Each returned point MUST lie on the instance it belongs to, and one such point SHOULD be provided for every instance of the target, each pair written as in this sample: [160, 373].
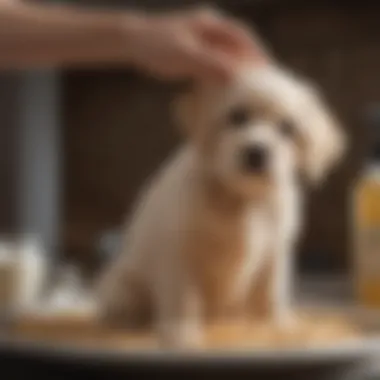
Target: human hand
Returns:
[192, 45]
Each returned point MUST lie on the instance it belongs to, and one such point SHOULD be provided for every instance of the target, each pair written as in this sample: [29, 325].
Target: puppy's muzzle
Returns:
[254, 159]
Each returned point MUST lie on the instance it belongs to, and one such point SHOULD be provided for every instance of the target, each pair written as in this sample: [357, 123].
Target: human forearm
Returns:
[34, 35]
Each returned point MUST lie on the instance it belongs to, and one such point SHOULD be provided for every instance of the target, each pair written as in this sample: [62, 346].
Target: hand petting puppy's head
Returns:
[261, 129]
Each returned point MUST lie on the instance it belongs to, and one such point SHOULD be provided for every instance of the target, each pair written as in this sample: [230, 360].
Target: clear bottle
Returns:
[366, 226]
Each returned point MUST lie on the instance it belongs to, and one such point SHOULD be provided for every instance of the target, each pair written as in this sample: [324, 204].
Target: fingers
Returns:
[233, 37]
[206, 64]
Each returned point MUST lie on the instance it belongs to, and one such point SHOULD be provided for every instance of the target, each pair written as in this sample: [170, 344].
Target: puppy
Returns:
[214, 231]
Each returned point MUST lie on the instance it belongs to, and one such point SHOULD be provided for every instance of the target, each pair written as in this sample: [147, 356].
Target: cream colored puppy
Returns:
[214, 231]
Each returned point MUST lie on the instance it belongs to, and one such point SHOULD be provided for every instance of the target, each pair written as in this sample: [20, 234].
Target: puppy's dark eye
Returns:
[238, 116]
[287, 128]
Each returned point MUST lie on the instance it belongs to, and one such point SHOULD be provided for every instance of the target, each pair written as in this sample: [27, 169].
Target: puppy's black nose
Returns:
[254, 158]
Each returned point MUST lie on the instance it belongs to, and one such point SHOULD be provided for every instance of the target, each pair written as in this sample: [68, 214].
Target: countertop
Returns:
[311, 292]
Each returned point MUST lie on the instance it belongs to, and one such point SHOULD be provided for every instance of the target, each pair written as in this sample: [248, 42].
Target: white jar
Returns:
[31, 272]
[8, 277]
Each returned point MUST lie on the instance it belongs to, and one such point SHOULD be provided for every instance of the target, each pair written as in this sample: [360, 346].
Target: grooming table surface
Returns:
[326, 341]
[85, 331]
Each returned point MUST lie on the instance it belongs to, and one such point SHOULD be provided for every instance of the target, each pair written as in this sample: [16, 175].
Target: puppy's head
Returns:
[260, 130]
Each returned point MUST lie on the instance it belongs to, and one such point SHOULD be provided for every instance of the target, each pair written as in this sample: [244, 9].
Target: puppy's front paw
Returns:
[180, 336]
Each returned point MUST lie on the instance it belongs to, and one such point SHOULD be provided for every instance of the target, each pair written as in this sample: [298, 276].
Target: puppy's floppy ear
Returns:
[325, 141]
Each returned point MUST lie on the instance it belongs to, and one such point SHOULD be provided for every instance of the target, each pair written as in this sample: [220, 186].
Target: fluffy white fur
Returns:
[210, 238]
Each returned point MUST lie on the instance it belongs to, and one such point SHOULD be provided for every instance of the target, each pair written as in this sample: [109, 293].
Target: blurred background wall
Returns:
[30, 155]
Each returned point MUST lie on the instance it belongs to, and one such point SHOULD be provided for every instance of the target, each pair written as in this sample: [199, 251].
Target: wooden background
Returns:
[118, 128]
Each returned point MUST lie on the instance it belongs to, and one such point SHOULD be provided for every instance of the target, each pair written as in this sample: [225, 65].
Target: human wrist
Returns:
[129, 31]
